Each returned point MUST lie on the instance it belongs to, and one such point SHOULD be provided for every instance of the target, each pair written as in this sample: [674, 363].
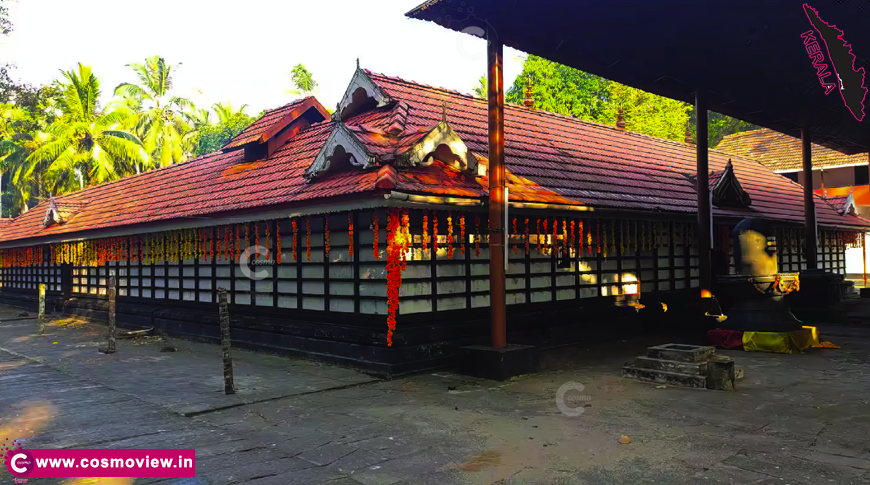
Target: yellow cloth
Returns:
[780, 342]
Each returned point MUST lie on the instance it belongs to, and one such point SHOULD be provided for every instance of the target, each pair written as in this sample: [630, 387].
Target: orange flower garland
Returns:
[450, 235]
[394, 272]
[295, 245]
[278, 241]
[307, 238]
[375, 253]
[406, 233]
[435, 233]
[555, 246]
[425, 237]
[462, 233]
[538, 236]
[326, 235]
[546, 235]
[268, 239]
[565, 236]
[349, 235]
[526, 236]
[573, 240]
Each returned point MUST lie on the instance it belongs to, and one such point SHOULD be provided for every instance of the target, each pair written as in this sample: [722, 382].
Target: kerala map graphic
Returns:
[850, 80]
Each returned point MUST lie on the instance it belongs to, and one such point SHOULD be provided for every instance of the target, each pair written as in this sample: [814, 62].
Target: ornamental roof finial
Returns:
[620, 121]
[357, 62]
[529, 101]
[444, 112]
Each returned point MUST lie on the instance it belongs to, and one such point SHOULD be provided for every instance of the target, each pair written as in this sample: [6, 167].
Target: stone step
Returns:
[674, 379]
[681, 352]
[694, 368]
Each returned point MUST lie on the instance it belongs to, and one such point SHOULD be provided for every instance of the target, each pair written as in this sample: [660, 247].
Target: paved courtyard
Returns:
[795, 419]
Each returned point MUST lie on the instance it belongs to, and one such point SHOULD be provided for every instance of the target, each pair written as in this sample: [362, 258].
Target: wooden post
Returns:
[41, 309]
[705, 209]
[809, 204]
[497, 202]
[111, 292]
[229, 388]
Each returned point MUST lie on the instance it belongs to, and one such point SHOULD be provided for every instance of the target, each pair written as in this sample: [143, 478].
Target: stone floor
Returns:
[795, 419]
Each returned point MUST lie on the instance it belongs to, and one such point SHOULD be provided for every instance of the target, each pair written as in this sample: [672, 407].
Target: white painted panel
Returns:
[373, 307]
[312, 288]
[451, 303]
[515, 298]
[449, 287]
[242, 298]
[479, 285]
[338, 288]
[407, 307]
[264, 286]
[566, 294]
[373, 288]
[478, 301]
[287, 302]
[540, 282]
[538, 296]
[265, 300]
[286, 286]
[312, 303]
[343, 305]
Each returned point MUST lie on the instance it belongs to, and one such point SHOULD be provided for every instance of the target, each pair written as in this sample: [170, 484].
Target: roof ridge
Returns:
[522, 109]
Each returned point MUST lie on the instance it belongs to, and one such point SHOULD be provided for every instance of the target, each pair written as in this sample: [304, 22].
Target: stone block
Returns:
[681, 352]
[695, 368]
[674, 379]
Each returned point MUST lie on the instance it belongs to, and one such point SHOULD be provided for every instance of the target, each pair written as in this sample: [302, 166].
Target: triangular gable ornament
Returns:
[423, 152]
[351, 151]
[361, 93]
[52, 215]
[727, 192]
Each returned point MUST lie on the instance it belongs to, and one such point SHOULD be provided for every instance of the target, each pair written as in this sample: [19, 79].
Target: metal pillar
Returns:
[497, 203]
[809, 203]
[705, 209]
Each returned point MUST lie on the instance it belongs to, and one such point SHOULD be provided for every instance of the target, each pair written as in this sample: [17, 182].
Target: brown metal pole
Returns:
[705, 209]
[809, 203]
[495, 95]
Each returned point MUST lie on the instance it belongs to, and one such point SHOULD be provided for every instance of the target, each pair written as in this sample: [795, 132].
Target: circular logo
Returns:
[567, 408]
[21, 463]
[475, 52]
[245, 263]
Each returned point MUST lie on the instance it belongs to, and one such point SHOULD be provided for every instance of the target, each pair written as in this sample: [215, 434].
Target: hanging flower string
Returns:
[546, 234]
[450, 235]
[394, 272]
[295, 242]
[538, 236]
[526, 236]
[462, 233]
[278, 241]
[425, 238]
[326, 236]
[435, 233]
[375, 253]
[308, 238]
[350, 235]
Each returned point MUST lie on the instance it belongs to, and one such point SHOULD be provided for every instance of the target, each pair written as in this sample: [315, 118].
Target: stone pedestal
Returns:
[721, 373]
[498, 364]
[679, 365]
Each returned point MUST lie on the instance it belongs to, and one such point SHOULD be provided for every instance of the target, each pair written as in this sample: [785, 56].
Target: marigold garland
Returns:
[295, 242]
[579, 238]
[555, 246]
[307, 238]
[573, 241]
[526, 236]
[538, 236]
[450, 235]
[375, 253]
[326, 236]
[406, 236]
[565, 237]
[462, 232]
[278, 241]
[349, 235]
[394, 272]
[606, 246]
[425, 238]
[546, 236]
[434, 234]
[598, 236]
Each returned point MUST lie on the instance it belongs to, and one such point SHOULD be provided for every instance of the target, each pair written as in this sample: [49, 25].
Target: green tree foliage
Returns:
[230, 122]
[157, 116]
[480, 89]
[303, 80]
[84, 141]
[561, 89]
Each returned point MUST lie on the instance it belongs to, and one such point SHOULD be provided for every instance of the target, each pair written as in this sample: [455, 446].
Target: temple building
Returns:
[843, 180]
[367, 229]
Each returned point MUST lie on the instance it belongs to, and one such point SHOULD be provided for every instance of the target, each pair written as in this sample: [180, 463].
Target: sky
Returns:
[242, 51]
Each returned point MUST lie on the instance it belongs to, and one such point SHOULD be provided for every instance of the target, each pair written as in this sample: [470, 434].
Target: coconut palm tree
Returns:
[225, 112]
[85, 139]
[160, 123]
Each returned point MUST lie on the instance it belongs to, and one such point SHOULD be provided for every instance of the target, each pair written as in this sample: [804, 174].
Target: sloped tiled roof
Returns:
[550, 158]
[259, 127]
[559, 159]
[780, 152]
